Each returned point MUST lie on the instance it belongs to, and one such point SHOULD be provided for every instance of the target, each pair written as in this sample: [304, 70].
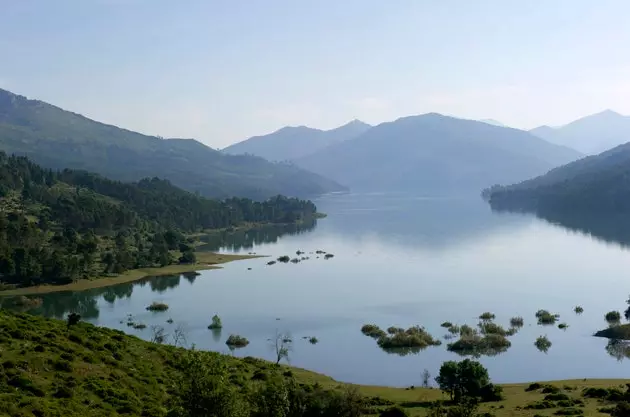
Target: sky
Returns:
[222, 71]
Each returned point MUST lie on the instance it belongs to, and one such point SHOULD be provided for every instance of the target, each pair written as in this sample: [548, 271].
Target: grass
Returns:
[156, 306]
[205, 260]
[52, 370]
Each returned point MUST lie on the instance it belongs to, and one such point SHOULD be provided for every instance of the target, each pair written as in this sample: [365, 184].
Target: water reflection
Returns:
[611, 228]
[238, 240]
[618, 349]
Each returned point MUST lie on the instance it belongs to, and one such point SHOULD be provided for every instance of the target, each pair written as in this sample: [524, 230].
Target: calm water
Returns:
[399, 260]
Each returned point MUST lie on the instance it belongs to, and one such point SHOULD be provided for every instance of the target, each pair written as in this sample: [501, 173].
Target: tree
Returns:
[448, 379]
[426, 376]
[282, 345]
[465, 379]
[627, 312]
[188, 257]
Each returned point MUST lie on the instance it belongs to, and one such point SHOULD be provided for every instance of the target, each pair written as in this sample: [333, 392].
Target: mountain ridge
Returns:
[57, 138]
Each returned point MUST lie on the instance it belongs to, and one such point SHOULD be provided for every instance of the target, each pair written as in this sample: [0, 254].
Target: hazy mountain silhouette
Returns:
[432, 152]
[595, 184]
[290, 142]
[59, 139]
[591, 134]
[493, 122]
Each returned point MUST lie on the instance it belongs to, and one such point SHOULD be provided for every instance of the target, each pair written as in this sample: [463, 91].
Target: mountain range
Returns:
[293, 142]
[591, 134]
[56, 138]
[435, 153]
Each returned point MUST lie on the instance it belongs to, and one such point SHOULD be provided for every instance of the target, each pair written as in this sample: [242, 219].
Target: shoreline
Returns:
[205, 261]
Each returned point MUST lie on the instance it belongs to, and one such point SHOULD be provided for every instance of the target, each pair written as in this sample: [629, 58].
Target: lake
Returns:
[398, 260]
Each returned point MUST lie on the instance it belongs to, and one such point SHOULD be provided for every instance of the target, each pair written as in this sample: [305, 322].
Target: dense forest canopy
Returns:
[58, 226]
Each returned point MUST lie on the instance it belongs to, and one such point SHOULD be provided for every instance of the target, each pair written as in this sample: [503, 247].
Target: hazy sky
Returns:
[221, 71]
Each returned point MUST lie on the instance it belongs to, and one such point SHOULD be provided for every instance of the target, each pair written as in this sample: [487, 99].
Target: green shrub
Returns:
[216, 323]
[517, 321]
[613, 317]
[313, 340]
[569, 412]
[394, 412]
[540, 405]
[156, 306]
[542, 343]
[491, 392]
[533, 387]
[413, 337]
[488, 327]
[558, 396]
[487, 316]
[62, 365]
[284, 259]
[372, 330]
[236, 341]
[578, 310]
[563, 326]
[447, 324]
[546, 318]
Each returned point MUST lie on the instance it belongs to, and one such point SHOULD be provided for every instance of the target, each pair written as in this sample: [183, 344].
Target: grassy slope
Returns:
[50, 370]
[205, 260]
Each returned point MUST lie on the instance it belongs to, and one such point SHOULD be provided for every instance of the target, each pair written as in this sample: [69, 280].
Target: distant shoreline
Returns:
[205, 261]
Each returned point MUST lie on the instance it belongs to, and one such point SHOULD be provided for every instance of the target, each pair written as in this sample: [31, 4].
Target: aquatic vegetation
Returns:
[155, 306]
[476, 345]
[139, 326]
[299, 252]
[487, 316]
[447, 324]
[271, 263]
[563, 326]
[169, 321]
[613, 317]
[466, 330]
[320, 252]
[517, 321]
[394, 330]
[284, 259]
[454, 330]
[216, 323]
[372, 330]
[546, 318]
[413, 337]
[578, 310]
[542, 343]
[313, 340]
[492, 328]
[328, 256]
[236, 341]
[295, 260]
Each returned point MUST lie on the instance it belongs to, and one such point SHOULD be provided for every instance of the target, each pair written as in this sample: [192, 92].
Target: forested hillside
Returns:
[56, 227]
[596, 184]
[60, 139]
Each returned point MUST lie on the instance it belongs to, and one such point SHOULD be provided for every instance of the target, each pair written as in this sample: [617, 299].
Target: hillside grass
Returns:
[49, 369]
[205, 261]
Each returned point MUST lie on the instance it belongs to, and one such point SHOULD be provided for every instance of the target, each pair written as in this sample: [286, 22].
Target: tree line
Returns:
[59, 226]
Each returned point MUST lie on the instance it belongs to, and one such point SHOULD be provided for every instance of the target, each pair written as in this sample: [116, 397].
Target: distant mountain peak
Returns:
[493, 122]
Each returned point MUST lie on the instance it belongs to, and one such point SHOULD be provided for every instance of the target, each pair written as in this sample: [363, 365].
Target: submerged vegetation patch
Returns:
[372, 330]
[546, 318]
[613, 317]
[473, 344]
[415, 336]
[542, 343]
[236, 341]
[156, 306]
[487, 316]
[517, 321]
[578, 310]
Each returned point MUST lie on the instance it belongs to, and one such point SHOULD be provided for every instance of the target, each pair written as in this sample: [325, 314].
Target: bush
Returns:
[563, 326]
[155, 306]
[533, 387]
[413, 337]
[542, 343]
[545, 317]
[613, 317]
[372, 330]
[465, 379]
[578, 310]
[284, 259]
[487, 316]
[447, 324]
[569, 412]
[487, 327]
[394, 412]
[491, 392]
[558, 396]
[476, 345]
[550, 389]
[540, 405]
[313, 340]
[216, 323]
[236, 341]
[517, 322]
